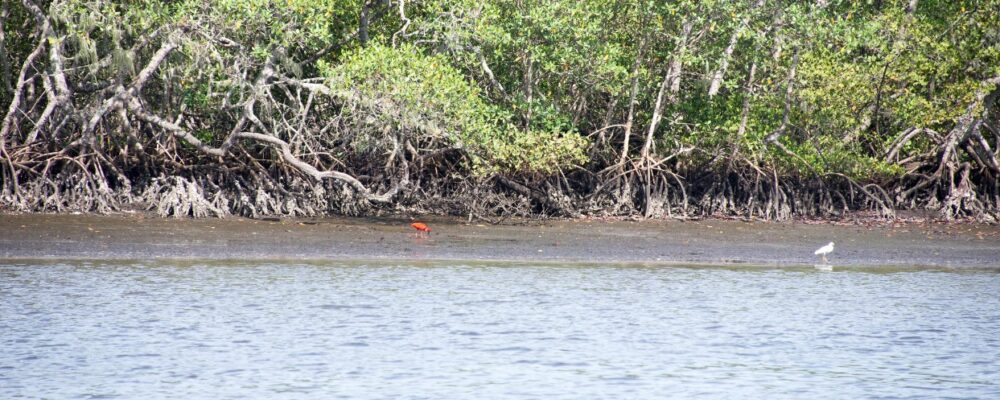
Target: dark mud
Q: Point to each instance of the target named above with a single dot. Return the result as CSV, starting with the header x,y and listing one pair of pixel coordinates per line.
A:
x,y
712,242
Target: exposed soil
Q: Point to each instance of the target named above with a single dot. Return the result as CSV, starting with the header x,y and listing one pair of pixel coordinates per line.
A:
x,y
717,242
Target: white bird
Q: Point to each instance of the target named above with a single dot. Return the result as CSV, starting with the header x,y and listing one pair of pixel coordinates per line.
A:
x,y
823,251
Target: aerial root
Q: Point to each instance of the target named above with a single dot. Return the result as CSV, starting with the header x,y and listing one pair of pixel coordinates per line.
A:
x,y
181,197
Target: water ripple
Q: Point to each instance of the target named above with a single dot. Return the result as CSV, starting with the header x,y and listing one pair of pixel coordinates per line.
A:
x,y
156,330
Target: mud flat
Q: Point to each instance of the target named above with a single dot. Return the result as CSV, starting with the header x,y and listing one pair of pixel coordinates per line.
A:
x,y
706,242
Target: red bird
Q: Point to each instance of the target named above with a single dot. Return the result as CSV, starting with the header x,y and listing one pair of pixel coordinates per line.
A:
x,y
420,226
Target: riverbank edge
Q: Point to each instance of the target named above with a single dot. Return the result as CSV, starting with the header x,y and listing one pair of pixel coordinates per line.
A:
x,y
710,242
186,262
852,218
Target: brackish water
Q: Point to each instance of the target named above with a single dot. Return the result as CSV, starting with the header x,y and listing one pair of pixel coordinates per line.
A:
x,y
218,330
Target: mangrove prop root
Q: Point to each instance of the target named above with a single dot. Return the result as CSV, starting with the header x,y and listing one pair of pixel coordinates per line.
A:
x,y
280,144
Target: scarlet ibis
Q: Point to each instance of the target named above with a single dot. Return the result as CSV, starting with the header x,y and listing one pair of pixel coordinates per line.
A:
x,y
420,226
823,251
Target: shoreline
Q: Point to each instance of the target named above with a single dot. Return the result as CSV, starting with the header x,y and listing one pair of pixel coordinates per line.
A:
x,y
711,242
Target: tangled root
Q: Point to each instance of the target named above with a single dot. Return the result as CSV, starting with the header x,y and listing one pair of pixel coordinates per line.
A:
x,y
181,197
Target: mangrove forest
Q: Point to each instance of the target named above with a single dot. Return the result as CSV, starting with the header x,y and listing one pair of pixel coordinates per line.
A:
x,y
759,109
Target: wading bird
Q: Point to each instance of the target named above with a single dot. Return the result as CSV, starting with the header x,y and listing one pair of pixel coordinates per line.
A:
x,y
422,227
823,251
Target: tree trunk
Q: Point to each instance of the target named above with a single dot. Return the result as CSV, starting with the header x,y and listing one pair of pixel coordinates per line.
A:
x,y
716,84
631,101
672,80
786,113
747,95
5,77
727,54
363,25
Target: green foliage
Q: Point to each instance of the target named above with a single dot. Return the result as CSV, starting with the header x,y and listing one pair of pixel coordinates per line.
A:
x,y
519,85
888,68
430,101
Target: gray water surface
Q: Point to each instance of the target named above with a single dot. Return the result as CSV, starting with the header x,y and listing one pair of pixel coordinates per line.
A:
x,y
154,330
